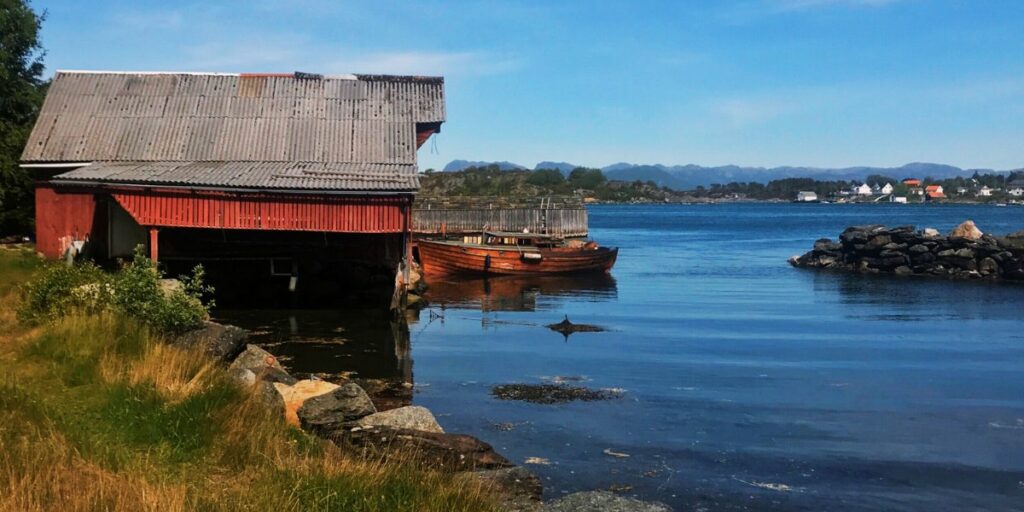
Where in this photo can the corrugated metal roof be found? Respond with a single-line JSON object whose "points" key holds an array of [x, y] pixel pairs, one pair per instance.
{"points": [[348, 176], [192, 117]]}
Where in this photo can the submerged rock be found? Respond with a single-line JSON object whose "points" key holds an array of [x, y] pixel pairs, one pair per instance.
{"points": [[566, 327], [445, 452], [603, 501], [412, 417], [330, 412], [551, 393]]}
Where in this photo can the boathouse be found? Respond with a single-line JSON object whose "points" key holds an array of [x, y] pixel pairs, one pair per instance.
{"points": [[276, 176]]}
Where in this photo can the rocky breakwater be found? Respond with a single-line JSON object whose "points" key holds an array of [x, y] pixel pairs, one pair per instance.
{"points": [[965, 253]]}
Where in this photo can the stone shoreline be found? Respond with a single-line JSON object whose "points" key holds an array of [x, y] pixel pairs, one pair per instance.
{"points": [[345, 415], [966, 253]]}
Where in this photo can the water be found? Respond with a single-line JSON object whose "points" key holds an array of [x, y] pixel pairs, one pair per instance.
{"points": [[749, 385]]}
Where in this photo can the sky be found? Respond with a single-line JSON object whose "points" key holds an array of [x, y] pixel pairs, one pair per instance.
{"points": [[825, 83]]}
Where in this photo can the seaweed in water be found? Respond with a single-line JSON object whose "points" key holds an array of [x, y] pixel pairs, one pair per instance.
{"points": [[551, 393]]}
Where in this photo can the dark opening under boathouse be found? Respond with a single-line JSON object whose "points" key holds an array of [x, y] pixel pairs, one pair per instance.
{"points": [[302, 181]]}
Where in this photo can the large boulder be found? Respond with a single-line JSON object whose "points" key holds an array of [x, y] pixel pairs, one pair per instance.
{"points": [[263, 364], [602, 501], [220, 341], [444, 452], [412, 417], [967, 230], [331, 412], [295, 395], [264, 390]]}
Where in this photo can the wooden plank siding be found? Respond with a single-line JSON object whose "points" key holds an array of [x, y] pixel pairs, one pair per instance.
{"points": [[565, 222], [265, 211]]}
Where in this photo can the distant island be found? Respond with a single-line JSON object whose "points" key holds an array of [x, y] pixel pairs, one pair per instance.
{"points": [[689, 177], [499, 185]]}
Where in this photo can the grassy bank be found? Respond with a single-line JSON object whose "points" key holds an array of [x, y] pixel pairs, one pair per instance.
{"points": [[96, 413]]}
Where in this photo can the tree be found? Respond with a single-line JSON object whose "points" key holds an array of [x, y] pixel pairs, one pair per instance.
{"points": [[581, 177], [21, 94], [546, 178]]}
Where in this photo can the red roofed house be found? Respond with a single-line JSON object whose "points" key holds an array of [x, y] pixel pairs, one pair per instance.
{"points": [[261, 177], [934, 192], [912, 182]]}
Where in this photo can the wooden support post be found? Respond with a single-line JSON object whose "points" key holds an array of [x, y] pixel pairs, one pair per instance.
{"points": [[407, 240], [154, 244]]}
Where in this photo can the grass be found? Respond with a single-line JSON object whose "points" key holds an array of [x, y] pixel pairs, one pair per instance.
{"points": [[96, 413]]}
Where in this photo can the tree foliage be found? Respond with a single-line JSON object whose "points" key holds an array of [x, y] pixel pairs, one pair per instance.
{"points": [[590, 179], [21, 94]]}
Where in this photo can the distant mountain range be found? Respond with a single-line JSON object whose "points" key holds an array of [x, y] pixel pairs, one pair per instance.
{"points": [[686, 177]]}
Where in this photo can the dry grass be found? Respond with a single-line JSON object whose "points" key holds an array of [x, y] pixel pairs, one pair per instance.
{"points": [[98, 414]]}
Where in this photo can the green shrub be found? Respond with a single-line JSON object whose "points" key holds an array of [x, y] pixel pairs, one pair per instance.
{"points": [[134, 290], [60, 289]]}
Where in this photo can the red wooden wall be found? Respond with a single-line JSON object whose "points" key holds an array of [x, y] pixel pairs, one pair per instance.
{"points": [[335, 214], [62, 216]]}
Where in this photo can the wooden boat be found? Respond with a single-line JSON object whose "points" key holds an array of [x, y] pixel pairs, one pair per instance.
{"points": [[501, 253]]}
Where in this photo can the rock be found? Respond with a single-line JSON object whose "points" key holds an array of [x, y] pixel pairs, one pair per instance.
{"points": [[330, 412], [988, 266], [930, 232], [270, 397], [826, 245], [263, 364], [445, 452], [967, 230], [412, 417], [521, 488], [1018, 234], [266, 391], [966, 253], [877, 242], [957, 253], [602, 501], [220, 341], [565, 327], [295, 396]]}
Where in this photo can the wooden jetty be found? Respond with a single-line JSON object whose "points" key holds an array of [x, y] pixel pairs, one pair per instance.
{"points": [[569, 222]]}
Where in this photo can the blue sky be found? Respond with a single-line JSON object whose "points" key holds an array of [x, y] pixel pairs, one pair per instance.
{"points": [[750, 82]]}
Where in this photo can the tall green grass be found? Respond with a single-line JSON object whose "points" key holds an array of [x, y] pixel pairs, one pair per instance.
{"points": [[97, 413]]}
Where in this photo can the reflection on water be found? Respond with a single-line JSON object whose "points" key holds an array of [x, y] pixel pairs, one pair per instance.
{"points": [[918, 298], [514, 293], [748, 385], [368, 346]]}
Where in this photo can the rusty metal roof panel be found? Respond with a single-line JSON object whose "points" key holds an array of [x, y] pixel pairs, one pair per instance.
{"points": [[97, 116], [318, 176]]}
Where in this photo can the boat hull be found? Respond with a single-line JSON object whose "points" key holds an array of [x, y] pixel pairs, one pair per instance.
{"points": [[439, 258]]}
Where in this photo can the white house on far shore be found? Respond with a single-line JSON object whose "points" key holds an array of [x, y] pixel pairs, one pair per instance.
{"points": [[806, 197], [984, 191], [887, 189], [863, 190]]}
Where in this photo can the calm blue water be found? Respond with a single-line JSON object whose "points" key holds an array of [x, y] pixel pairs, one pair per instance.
{"points": [[749, 385]]}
